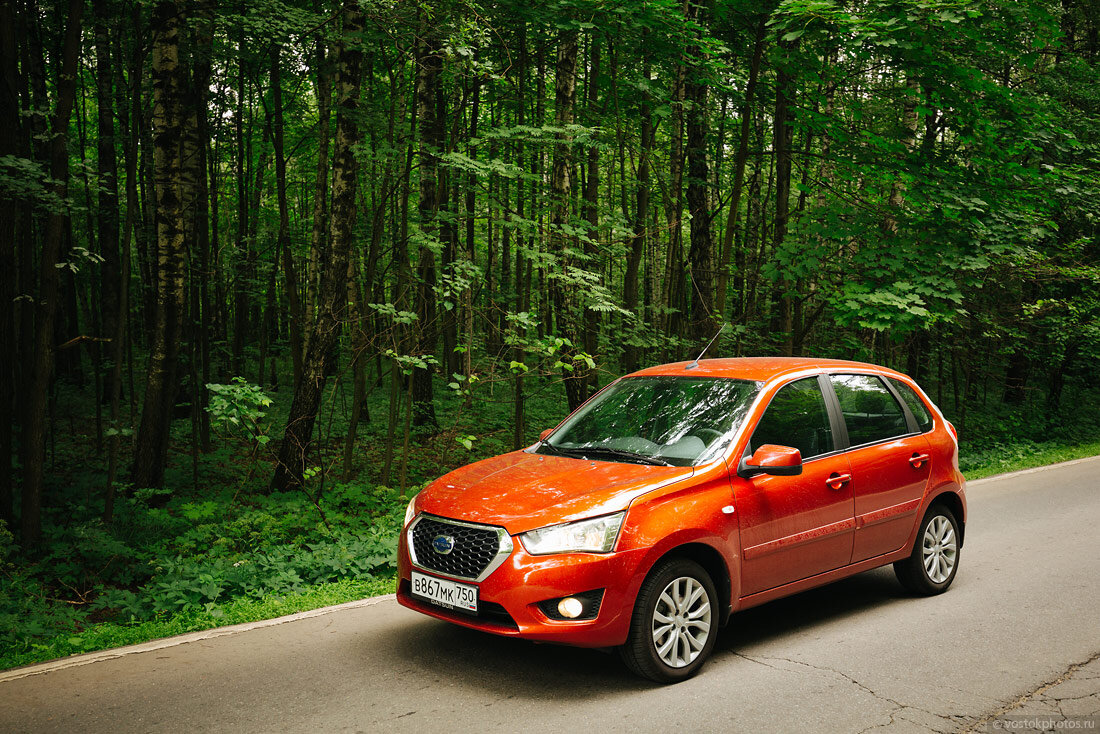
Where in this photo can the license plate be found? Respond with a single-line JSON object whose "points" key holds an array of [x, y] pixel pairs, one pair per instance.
{"points": [[449, 594]]}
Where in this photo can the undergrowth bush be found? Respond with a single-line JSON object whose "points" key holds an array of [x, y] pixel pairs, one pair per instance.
{"points": [[193, 555]]}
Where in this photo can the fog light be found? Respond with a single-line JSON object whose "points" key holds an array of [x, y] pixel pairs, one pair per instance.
{"points": [[581, 606], [570, 607]]}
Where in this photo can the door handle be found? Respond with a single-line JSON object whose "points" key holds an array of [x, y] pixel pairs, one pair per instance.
{"points": [[836, 481], [917, 460]]}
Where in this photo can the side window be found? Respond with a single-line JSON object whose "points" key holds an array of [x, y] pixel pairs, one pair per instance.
{"points": [[916, 405], [796, 417], [870, 411]]}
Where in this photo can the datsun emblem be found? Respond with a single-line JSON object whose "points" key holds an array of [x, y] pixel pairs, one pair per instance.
{"points": [[443, 544]]}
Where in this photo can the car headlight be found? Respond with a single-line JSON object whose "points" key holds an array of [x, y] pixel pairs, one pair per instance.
{"points": [[596, 535], [410, 513]]}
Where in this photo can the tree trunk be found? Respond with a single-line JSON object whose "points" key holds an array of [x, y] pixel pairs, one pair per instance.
{"points": [[283, 248], [701, 251], [195, 217], [357, 322], [429, 68], [147, 236], [21, 250], [34, 430], [403, 277], [242, 256], [565, 84], [592, 216], [203, 321], [151, 448], [119, 339], [11, 143], [739, 165], [783, 140], [107, 169], [471, 249], [320, 197], [332, 311], [518, 406], [632, 353], [908, 139], [674, 209]]}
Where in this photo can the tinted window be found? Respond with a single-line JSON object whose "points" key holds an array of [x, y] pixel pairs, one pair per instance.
{"points": [[870, 412], [796, 417], [916, 405]]}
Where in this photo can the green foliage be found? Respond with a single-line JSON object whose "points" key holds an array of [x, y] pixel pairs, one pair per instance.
{"points": [[183, 584], [239, 406], [1009, 457], [23, 179], [106, 635], [389, 310], [195, 556], [409, 362]]}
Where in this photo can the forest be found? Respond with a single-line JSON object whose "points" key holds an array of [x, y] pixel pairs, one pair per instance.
{"points": [[266, 268]]}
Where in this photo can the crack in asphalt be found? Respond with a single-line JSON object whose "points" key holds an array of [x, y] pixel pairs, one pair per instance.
{"points": [[899, 707], [1062, 699], [1033, 693]]}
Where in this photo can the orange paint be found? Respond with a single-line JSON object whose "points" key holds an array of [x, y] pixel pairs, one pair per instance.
{"points": [[848, 509]]}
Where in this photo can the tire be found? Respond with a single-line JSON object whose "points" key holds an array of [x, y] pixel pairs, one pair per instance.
{"points": [[932, 565], [680, 591]]}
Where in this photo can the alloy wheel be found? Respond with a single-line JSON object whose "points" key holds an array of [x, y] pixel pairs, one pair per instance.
{"points": [[681, 621], [939, 549]]}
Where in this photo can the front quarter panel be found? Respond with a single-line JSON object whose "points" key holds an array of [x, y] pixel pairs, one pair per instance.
{"points": [[700, 512]]}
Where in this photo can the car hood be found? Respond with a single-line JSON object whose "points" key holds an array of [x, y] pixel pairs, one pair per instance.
{"points": [[522, 491]]}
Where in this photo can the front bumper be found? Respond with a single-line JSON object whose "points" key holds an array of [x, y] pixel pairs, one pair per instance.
{"points": [[508, 598]]}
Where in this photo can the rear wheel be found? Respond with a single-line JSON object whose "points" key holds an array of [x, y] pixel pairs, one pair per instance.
{"points": [[675, 622], [932, 565]]}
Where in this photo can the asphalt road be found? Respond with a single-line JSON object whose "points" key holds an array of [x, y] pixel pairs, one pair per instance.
{"points": [[1020, 621]]}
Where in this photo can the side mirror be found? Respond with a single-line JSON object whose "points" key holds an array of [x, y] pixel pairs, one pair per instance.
{"points": [[780, 461], [544, 434]]}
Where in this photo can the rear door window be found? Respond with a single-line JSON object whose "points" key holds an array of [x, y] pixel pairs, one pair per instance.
{"points": [[915, 404], [797, 416], [871, 413]]}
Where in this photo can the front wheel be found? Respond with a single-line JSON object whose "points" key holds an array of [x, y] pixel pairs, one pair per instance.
{"points": [[931, 567], [675, 622]]}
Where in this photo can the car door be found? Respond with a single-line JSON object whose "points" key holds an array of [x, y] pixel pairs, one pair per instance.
{"points": [[793, 527], [890, 463]]}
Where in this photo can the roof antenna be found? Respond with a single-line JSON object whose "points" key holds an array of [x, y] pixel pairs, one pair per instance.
{"points": [[695, 364]]}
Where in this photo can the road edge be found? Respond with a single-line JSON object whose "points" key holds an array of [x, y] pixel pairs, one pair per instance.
{"points": [[74, 661], [1032, 470], [164, 642]]}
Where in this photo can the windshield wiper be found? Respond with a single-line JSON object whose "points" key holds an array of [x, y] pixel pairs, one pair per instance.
{"points": [[551, 448], [585, 451]]}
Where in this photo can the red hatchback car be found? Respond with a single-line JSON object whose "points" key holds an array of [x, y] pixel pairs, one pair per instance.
{"points": [[680, 494]]}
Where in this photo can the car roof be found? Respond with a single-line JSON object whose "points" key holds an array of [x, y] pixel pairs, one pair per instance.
{"points": [[759, 369]]}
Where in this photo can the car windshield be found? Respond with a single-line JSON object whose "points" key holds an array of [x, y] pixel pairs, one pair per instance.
{"points": [[664, 420]]}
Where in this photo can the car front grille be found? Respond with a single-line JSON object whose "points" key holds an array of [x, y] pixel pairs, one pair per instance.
{"points": [[473, 547]]}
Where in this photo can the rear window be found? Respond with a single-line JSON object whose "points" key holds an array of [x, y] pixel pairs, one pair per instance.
{"points": [[870, 411], [915, 404]]}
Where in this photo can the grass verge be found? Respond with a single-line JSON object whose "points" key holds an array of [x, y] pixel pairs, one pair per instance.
{"points": [[107, 635], [1005, 459]]}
